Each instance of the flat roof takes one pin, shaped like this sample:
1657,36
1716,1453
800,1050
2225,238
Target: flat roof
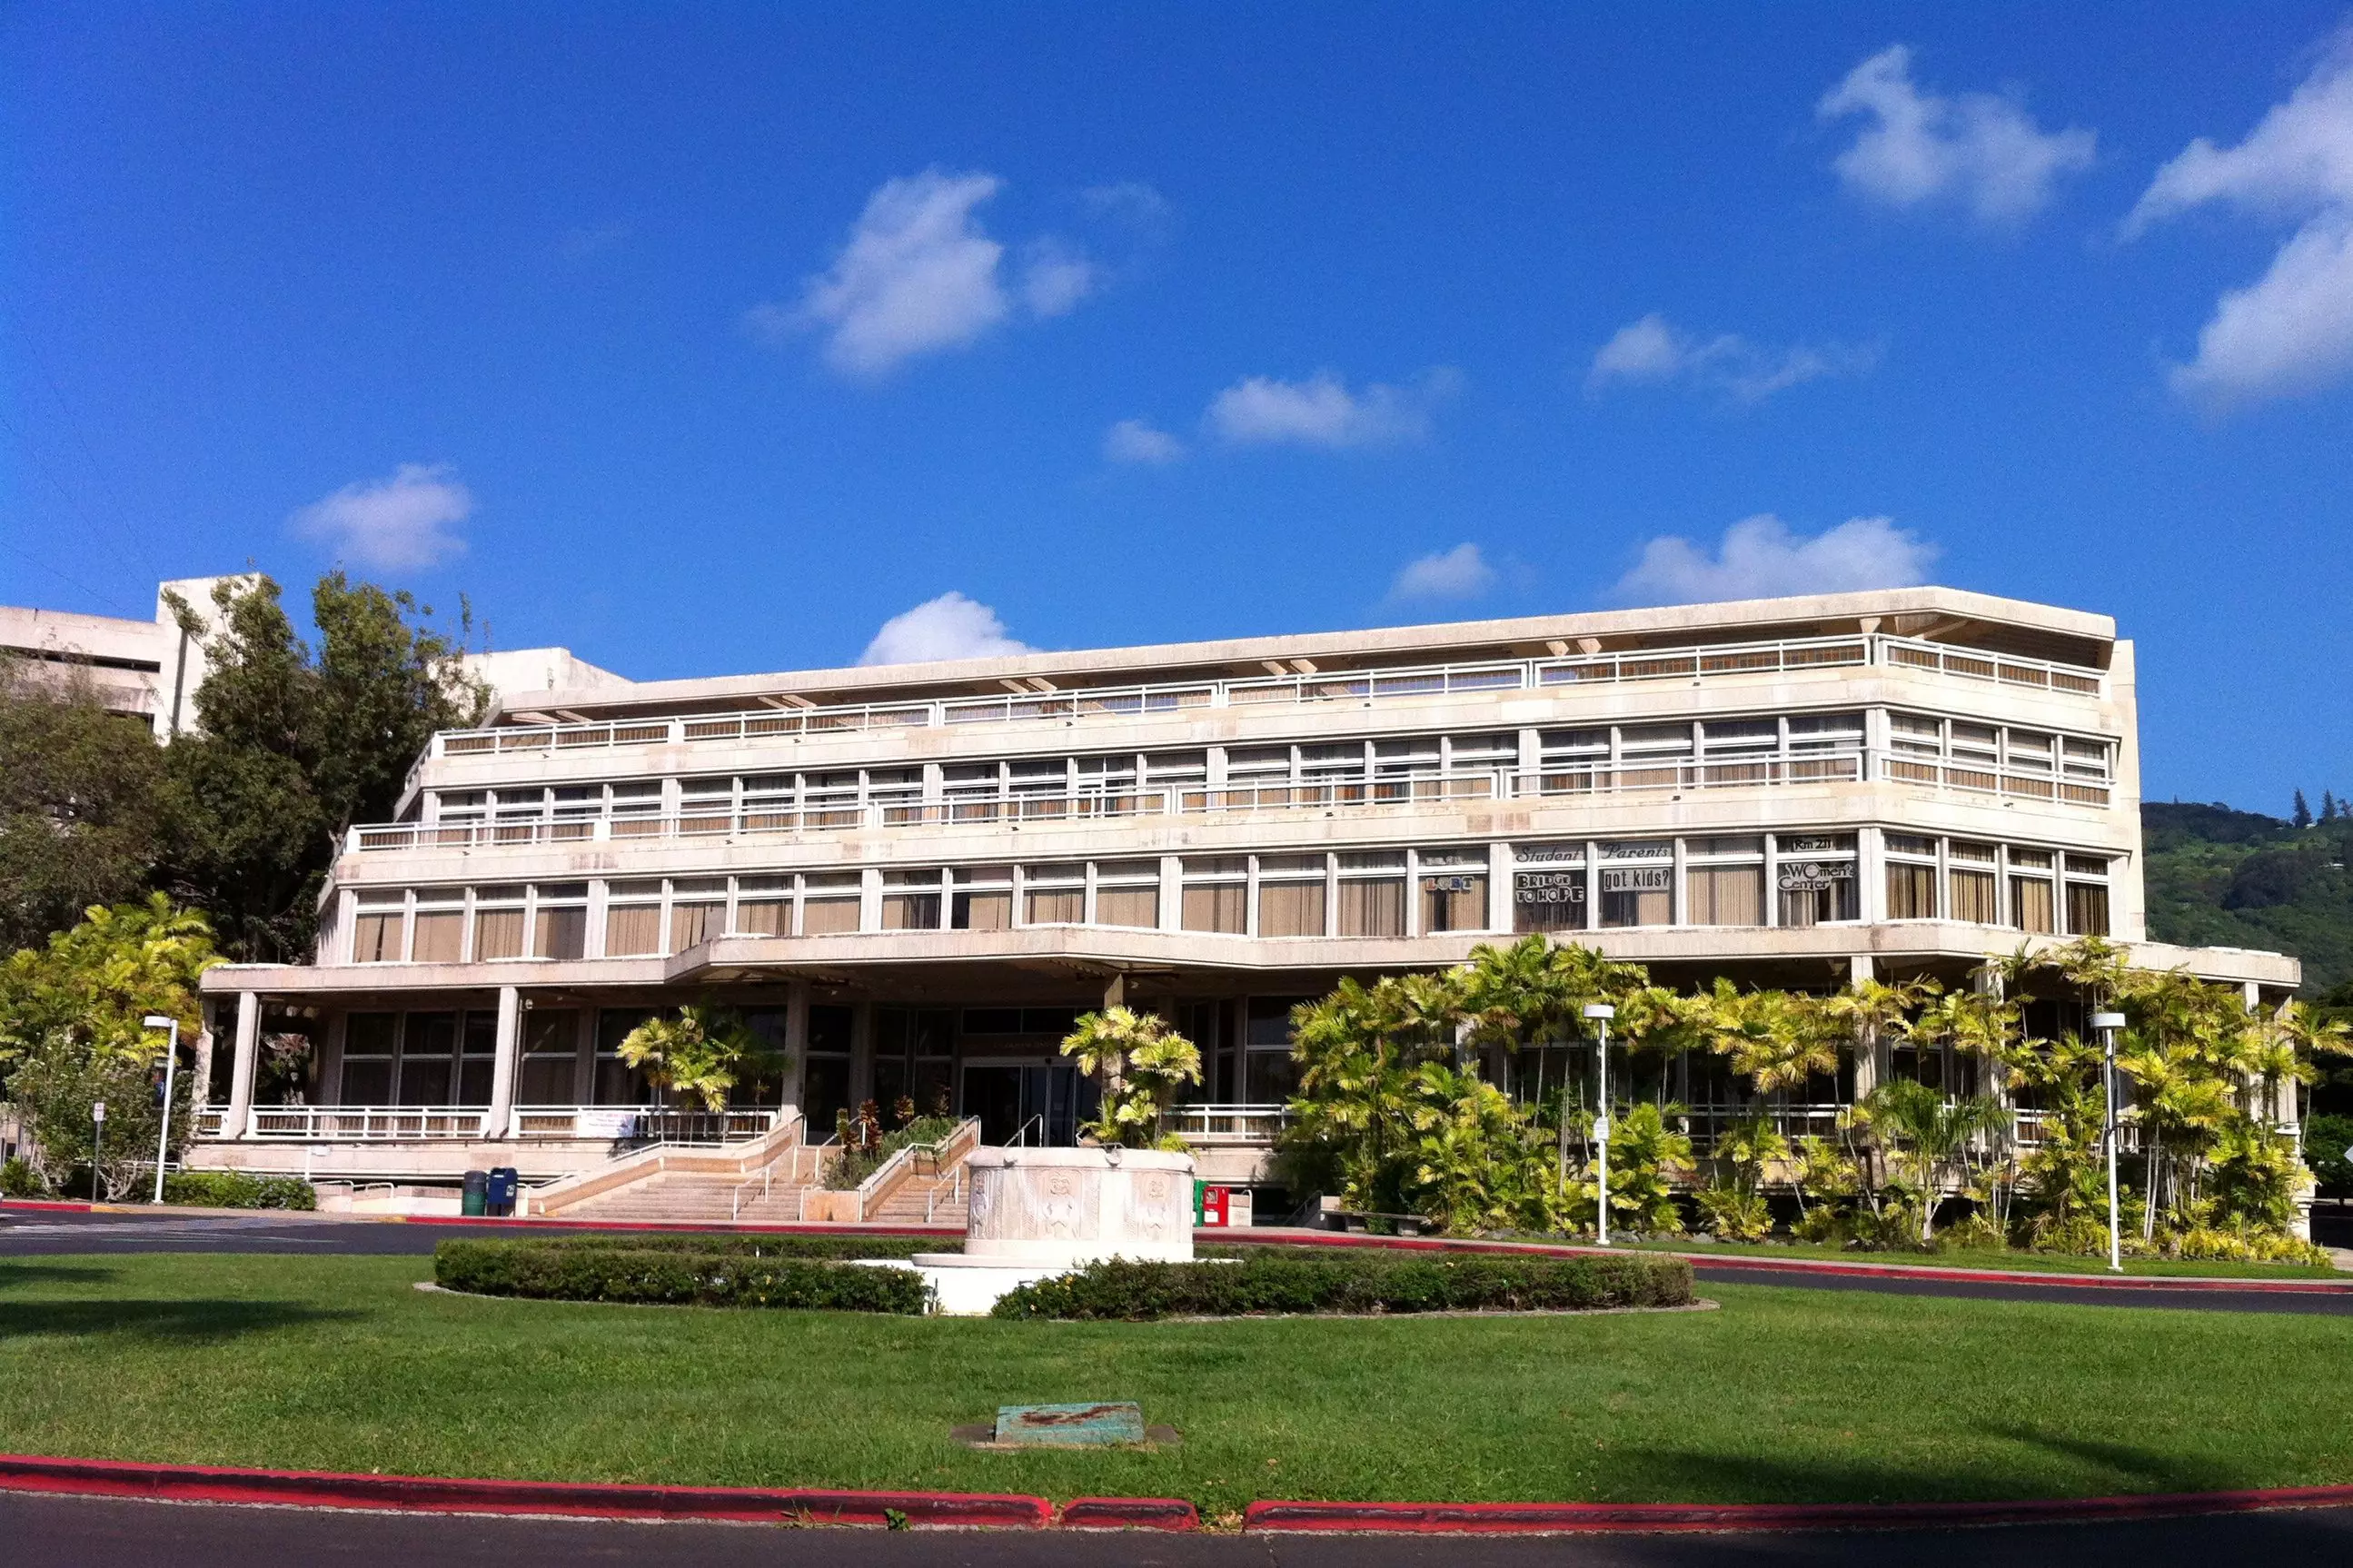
2010,625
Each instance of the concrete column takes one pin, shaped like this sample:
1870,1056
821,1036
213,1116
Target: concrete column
1869,1069
1499,888
249,1048
503,1063
1171,893
797,1041
204,1068
862,1050
1115,990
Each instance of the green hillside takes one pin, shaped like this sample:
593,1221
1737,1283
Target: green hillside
2219,878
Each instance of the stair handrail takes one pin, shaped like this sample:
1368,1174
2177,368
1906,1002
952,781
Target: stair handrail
879,1188
642,1165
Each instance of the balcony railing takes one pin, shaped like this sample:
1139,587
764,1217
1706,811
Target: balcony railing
1219,1124
415,1124
1770,771
1363,687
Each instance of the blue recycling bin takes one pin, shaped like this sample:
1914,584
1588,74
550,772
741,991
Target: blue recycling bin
500,1199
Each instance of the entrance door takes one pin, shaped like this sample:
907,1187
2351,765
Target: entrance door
1037,1103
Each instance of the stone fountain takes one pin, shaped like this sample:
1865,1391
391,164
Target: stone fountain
1037,1213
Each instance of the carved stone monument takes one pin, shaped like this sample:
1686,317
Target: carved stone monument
1037,1213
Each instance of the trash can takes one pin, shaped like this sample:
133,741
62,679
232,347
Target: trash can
477,1188
501,1197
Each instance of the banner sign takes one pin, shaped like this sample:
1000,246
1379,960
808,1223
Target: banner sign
1639,880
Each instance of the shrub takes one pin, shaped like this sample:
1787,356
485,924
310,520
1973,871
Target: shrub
238,1190
2326,1141
1734,1214
672,1275
19,1180
1316,1280
1823,1225
861,1157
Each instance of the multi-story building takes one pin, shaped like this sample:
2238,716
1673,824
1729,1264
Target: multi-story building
912,878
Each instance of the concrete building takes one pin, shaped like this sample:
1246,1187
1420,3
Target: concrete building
912,878
148,670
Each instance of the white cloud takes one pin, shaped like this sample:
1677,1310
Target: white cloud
1322,412
1135,441
1055,278
2291,331
1461,573
917,275
1131,202
1974,148
397,523
1761,559
1652,350
950,627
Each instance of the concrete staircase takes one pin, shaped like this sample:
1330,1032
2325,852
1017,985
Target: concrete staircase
691,1185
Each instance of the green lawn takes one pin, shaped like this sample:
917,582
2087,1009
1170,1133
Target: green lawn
336,1363
2022,1262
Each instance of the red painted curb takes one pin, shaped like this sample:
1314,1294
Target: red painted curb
425,1494
1130,1513
1590,1518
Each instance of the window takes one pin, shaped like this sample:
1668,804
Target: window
984,898
2086,759
2032,904
369,1041
1827,731
764,906
615,1081
1911,890
767,802
1816,879
706,806
1372,893
1269,1075
1453,892
2087,908
1638,889
1127,893
1482,754
698,912
829,904
429,1049
479,1057
1290,895
825,1078
911,900
550,1058
1970,882
1918,736
381,930
1215,893
498,923
1177,770
1405,758
440,933
1054,895
561,928
1549,887
632,918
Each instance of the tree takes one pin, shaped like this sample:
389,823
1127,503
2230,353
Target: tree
1140,1063
296,748
703,1054
78,787
1930,1136
73,1031
2302,816
2327,806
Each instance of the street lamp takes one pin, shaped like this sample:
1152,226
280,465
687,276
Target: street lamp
97,1148
1601,1013
170,1066
2107,1024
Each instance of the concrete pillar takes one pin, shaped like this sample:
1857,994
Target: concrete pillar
1870,1051
204,1068
797,1041
505,1060
1115,990
248,1049
862,1050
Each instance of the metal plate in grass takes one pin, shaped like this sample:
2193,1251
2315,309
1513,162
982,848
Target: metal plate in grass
1115,1423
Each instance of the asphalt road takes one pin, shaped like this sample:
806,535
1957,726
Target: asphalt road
35,1232
65,1532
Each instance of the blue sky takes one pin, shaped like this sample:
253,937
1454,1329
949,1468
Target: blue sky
719,341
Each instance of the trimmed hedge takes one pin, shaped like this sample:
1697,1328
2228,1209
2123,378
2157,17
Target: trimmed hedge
577,1270
1317,1279
238,1190
766,1245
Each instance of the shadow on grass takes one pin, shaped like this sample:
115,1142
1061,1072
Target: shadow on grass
182,1321
2077,1468
15,1273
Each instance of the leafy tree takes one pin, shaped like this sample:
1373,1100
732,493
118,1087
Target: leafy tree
1930,1137
78,789
2302,816
703,1054
297,746
1140,1063
73,1031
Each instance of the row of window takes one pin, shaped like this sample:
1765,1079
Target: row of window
1306,763
1737,881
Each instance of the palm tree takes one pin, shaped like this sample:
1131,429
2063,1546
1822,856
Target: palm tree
702,1053
1931,1134
1140,1063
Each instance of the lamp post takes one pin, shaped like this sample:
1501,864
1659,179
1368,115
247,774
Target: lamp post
1601,1013
170,1066
97,1148
2107,1024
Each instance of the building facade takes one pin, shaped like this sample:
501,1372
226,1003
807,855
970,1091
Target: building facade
912,878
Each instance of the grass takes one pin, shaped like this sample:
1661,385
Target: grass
337,1363
1989,1258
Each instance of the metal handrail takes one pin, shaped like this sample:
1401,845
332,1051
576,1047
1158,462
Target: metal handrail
1020,1139
1365,685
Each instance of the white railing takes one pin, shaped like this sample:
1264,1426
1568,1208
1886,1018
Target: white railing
1250,1124
641,1124
1599,777
1417,682
365,1123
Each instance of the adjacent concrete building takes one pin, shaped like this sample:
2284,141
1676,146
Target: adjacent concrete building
912,878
